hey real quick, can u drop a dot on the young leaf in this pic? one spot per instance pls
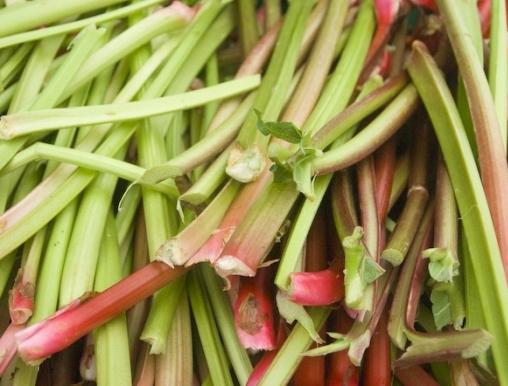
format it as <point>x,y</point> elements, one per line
<point>283,130</point>
<point>443,266</point>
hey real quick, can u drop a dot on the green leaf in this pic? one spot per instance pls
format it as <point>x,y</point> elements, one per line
<point>443,266</point>
<point>281,172</point>
<point>441,308</point>
<point>283,130</point>
<point>302,175</point>
<point>371,270</point>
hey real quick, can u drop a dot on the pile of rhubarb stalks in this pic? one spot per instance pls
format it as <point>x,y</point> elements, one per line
<point>304,192</point>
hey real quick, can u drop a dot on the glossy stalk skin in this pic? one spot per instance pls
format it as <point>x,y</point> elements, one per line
<point>8,346</point>
<point>254,311</point>
<point>64,328</point>
<point>319,288</point>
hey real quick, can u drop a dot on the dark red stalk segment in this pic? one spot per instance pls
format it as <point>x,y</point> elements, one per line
<point>253,311</point>
<point>414,376</point>
<point>428,4</point>
<point>267,358</point>
<point>341,372</point>
<point>316,255</point>
<point>8,346</point>
<point>68,325</point>
<point>377,368</point>
<point>310,371</point>
<point>484,8</point>
<point>21,300</point>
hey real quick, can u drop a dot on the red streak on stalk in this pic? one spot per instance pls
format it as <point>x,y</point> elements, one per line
<point>266,360</point>
<point>68,325</point>
<point>8,346</point>
<point>253,311</point>
<point>414,376</point>
<point>386,12</point>
<point>21,300</point>
<point>377,368</point>
<point>484,8</point>
<point>316,288</point>
<point>341,372</point>
<point>213,247</point>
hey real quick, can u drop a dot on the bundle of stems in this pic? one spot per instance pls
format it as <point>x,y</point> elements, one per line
<point>221,192</point>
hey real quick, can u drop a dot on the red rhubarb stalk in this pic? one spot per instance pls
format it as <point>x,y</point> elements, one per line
<point>253,311</point>
<point>320,285</point>
<point>267,358</point>
<point>8,346</point>
<point>341,372</point>
<point>377,368</point>
<point>310,371</point>
<point>414,376</point>
<point>68,325</point>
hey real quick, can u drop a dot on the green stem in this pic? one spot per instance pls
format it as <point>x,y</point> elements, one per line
<point>214,352</point>
<point>111,339</point>
<point>372,136</point>
<point>498,63</point>
<point>91,161</point>
<point>12,67</point>
<point>272,12</point>
<point>248,25</point>
<point>33,14</point>
<point>472,202</point>
<point>14,125</point>
<point>222,309</point>
<point>492,153</point>
<point>65,28</point>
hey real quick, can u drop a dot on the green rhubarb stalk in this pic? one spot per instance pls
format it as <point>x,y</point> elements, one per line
<point>65,28</point>
<point>249,33</point>
<point>272,12</point>
<point>492,154</point>
<point>175,366</point>
<point>498,63</point>
<point>111,340</point>
<point>162,21</point>
<point>160,318</point>
<point>14,125</point>
<point>207,329</point>
<point>14,65</point>
<point>221,306</point>
<point>6,97</point>
<point>29,15</point>
<point>81,47</point>
<point>472,202</point>
<point>44,151</point>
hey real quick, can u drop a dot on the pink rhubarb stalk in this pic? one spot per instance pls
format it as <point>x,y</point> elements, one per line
<point>253,311</point>
<point>78,319</point>
<point>266,360</point>
<point>21,299</point>
<point>386,13</point>
<point>8,346</point>
<point>316,288</point>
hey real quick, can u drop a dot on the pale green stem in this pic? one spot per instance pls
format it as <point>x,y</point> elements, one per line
<point>111,340</point>
<point>77,25</point>
<point>12,67</point>
<point>36,121</point>
<point>248,25</point>
<point>33,14</point>
<point>91,161</point>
